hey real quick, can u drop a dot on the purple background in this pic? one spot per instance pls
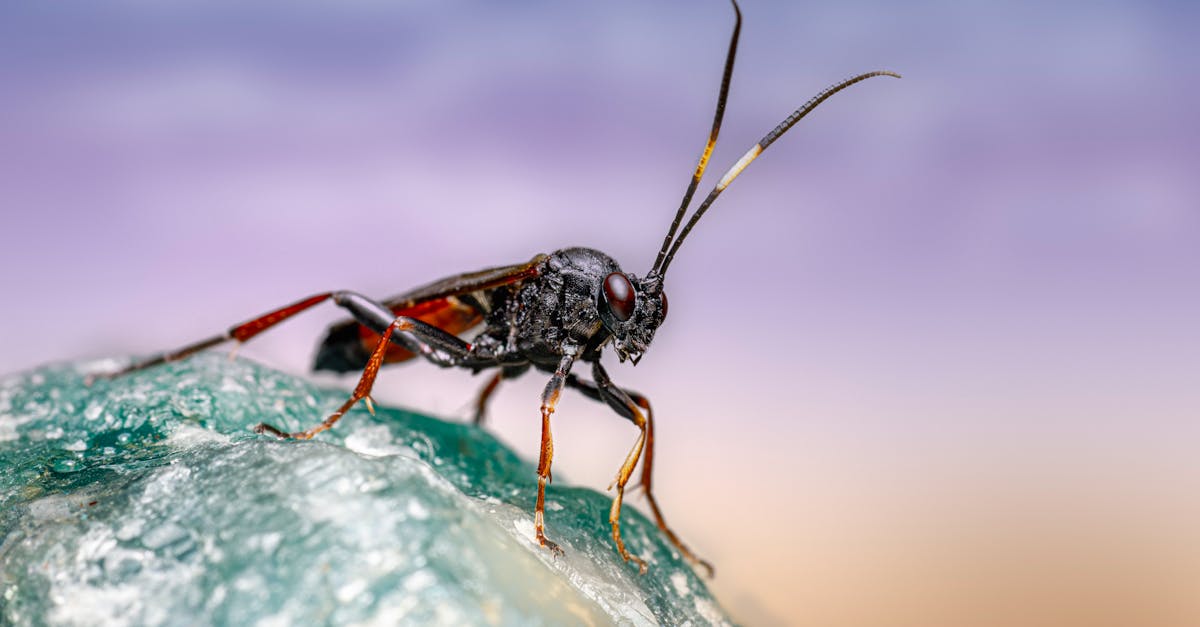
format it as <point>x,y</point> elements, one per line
<point>934,356</point>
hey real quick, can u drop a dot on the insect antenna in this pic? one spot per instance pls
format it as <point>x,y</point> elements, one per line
<point>712,137</point>
<point>753,154</point>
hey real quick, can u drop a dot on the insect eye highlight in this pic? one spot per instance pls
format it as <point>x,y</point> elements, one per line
<point>619,294</point>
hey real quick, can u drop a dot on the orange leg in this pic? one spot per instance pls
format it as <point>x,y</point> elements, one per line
<point>239,333</point>
<point>484,395</point>
<point>626,471</point>
<point>420,337</point>
<point>647,474</point>
<point>631,405</point>
<point>425,339</point>
<point>435,344</point>
<point>362,391</point>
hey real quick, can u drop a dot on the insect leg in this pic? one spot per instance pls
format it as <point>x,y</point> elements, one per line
<point>623,408</point>
<point>633,412</point>
<point>434,344</point>
<point>420,337</point>
<point>366,311</point>
<point>485,394</point>
<point>239,333</point>
<point>549,401</point>
<point>647,473</point>
<point>507,372</point>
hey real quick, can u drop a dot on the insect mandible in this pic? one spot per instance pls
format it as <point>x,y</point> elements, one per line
<point>547,313</point>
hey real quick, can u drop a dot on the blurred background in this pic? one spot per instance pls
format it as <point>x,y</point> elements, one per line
<point>932,360</point>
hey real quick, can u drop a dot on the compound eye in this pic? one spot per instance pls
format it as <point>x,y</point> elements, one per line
<point>663,315</point>
<point>619,294</point>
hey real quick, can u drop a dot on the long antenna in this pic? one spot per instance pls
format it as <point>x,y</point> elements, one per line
<point>757,150</point>
<point>712,136</point>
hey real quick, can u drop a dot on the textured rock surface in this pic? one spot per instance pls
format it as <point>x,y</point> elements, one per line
<point>148,500</point>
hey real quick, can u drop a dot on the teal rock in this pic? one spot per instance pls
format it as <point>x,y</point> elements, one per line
<point>148,500</point>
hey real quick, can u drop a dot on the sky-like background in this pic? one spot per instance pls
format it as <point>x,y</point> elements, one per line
<point>933,359</point>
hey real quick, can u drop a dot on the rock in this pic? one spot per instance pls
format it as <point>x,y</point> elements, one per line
<point>148,500</point>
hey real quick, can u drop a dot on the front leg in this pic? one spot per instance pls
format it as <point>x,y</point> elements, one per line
<point>626,405</point>
<point>631,459</point>
<point>549,401</point>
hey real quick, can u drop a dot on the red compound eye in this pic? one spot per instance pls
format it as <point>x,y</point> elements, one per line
<point>663,296</point>
<point>619,294</point>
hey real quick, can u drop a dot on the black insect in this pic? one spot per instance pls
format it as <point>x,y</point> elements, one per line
<point>548,313</point>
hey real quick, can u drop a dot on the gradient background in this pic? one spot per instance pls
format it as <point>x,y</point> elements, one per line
<point>933,360</point>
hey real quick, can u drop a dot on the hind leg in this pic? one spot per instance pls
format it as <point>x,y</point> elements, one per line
<point>366,311</point>
<point>419,337</point>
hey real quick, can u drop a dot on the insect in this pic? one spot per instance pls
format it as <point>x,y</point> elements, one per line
<point>548,314</point>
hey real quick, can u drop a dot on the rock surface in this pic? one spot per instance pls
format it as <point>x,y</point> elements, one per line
<point>148,500</point>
